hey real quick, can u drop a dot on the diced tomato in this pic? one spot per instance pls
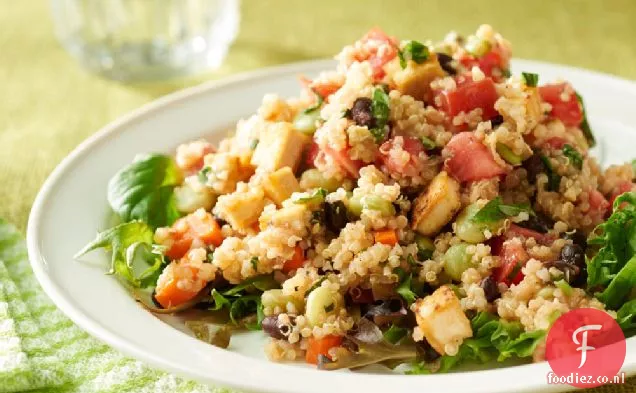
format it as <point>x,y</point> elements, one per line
<point>382,49</point>
<point>621,189</point>
<point>323,88</point>
<point>569,112</point>
<point>341,157</point>
<point>514,257</point>
<point>494,59</point>
<point>556,142</point>
<point>311,153</point>
<point>395,163</point>
<point>297,260</point>
<point>525,233</point>
<point>179,247</point>
<point>205,227</point>
<point>598,204</point>
<point>321,346</point>
<point>470,159</point>
<point>470,95</point>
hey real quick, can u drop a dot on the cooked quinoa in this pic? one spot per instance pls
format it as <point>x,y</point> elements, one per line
<point>414,187</point>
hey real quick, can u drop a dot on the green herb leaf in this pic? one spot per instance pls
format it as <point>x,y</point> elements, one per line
<point>144,190</point>
<point>242,307</point>
<point>133,257</point>
<point>413,50</point>
<point>531,79</point>
<point>253,144</point>
<point>496,210</point>
<point>404,289</point>
<point>554,180</point>
<point>317,105</point>
<point>254,262</point>
<point>395,334</point>
<point>585,125</point>
<point>257,283</point>
<point>380,109</point>
<point>219,301</point>
<point>574,156</point>
<point>203,174</point>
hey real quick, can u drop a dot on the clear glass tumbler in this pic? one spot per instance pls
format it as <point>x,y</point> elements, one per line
<point>137,40</point>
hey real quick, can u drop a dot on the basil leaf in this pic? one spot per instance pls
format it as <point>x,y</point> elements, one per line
<point>531,79</point>
<point>144,190</point>
<point>574,156</point>
<point>496,210</point>
<point>133,257</point>
<point>554,180</point>
<point>380,109</point>
<point>585,125</point>
<point>413,50</point>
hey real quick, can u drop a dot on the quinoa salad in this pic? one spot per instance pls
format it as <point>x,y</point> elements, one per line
<point>421,206</point>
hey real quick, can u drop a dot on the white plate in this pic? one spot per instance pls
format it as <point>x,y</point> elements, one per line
<point>72,205</point>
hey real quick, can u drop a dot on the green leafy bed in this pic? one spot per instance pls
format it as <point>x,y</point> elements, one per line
<point>142,197</point>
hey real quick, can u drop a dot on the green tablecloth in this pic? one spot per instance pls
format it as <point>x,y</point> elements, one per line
<point>48,104</point>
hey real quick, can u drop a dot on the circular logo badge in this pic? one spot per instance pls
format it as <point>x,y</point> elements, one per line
<point>585,348</point>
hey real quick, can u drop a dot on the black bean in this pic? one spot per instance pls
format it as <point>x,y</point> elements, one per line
<point>539,222</point>
<point>573,254</point>
<point>445,62</point>
<point>271,327</point>
<point>491,289</point>
<point>578,237</point>
<point>335,216</point>
<point>426,352</point>
<point>496,121</point>
<point>361,112</point>
<point>534,166</point>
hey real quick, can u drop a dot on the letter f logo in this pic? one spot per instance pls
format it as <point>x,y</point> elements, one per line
<point>584,347</point>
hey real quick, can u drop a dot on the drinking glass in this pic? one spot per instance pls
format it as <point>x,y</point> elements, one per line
<point>136,40</point>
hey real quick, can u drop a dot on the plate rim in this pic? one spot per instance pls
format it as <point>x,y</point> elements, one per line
<point>112,129</point>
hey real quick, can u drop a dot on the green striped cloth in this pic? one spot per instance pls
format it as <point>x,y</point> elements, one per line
<point>41,350</point>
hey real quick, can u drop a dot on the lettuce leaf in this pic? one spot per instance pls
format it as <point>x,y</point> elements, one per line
<point>612,271</point>
<point>133,256</point>
<point>626,318</point>
<point>144,190</point>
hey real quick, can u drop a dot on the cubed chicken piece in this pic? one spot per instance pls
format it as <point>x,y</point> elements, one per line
<point>241,208</point>
<point>280,146</point>
<point>523,111</point>
<point>436,206</point>
<point>280,185</point>
<point>415,80</point>
<point>441,320</point>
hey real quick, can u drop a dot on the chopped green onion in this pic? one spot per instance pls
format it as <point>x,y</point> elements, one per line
<point>317,197</point>
<point>531,79</point>
<point>428,143</point>
<point>317,105</point>
<point>415,51</point>
<point>564,287</point>
<point>574,156</point>
<point>508,155</point>
<point>254,262</point>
